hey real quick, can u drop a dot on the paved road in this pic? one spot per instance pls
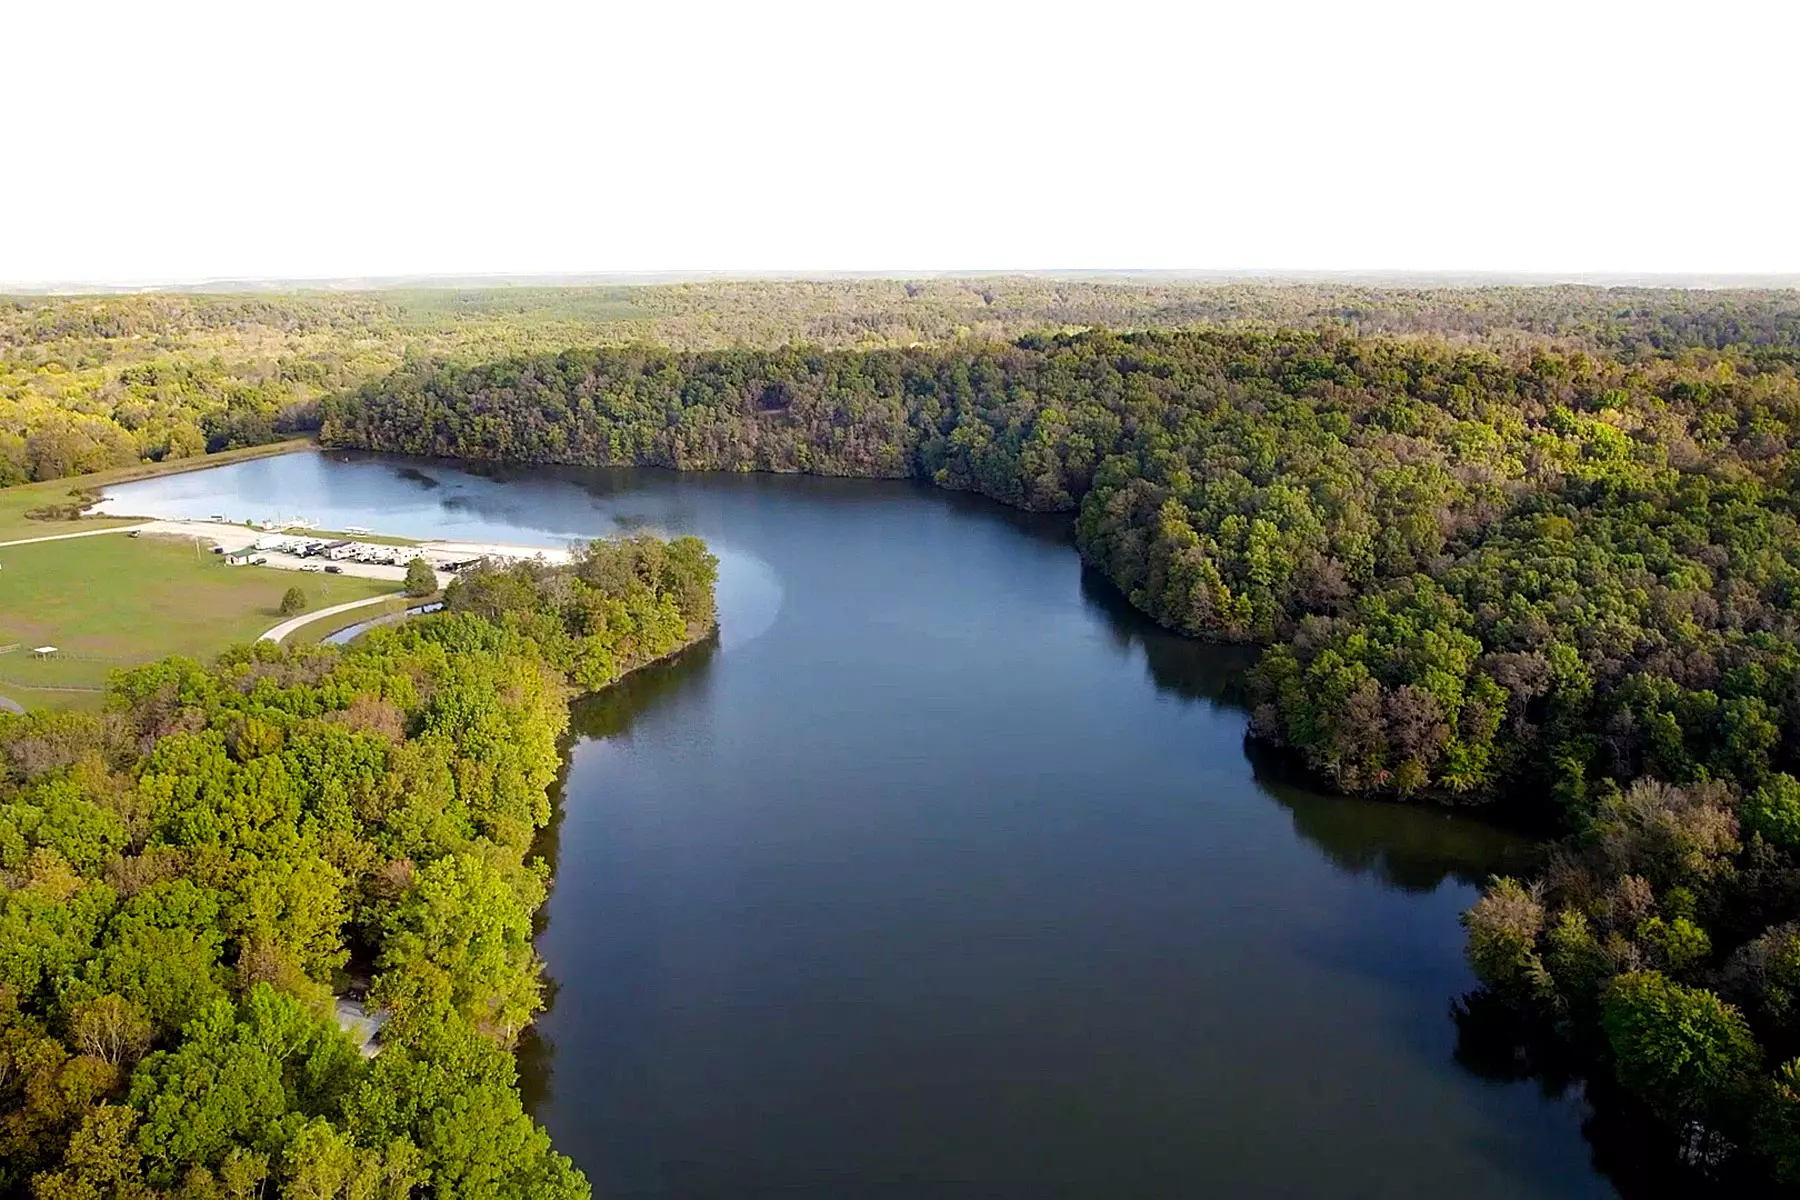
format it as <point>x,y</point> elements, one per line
<point>286,627</point>
<point>8,704</point>
<point>57,537</point>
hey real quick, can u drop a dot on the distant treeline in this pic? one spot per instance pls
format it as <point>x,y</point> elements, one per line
<point>88,383</point>
<point>1533,575</point>
<point>187,877</point>
<point>1476,569</point>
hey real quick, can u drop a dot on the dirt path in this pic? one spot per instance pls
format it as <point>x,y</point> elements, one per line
<point>57,537</point>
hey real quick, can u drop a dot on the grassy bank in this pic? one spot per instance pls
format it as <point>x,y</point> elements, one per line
<point>69,495</point>
<point>107,602</point>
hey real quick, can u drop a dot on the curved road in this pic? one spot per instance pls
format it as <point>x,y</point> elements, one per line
<point>286,627</point>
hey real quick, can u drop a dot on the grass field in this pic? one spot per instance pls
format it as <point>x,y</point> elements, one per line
<point>114,601</point>
<point>16,501</point>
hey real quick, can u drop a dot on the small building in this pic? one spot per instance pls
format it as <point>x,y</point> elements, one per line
<point>239,558</point>
<point>43,651</point>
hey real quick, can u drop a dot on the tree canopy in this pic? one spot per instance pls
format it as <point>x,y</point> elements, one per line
<point>1555,576</point>
<point>189,877</point>
<point>93,382</point>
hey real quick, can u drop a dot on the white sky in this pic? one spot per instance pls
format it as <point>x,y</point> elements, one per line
<point>167,140</point>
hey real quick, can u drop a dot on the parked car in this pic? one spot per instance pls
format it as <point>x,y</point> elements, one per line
<point>333,569</point>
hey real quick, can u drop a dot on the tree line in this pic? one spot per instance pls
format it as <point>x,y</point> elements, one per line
<point>1557,579</point>
<point>94,382</point>
<point>188,877</point>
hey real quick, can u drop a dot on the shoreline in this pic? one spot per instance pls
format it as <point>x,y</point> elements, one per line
<point>165,467</point>
<point>276,549</point>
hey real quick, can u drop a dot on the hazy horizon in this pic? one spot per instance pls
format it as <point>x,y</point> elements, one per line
<point>198,141</point>
<point>1683,280</point>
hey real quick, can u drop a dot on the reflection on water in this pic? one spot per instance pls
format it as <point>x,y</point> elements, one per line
<point>600,715</point>
<point>1413,847</point>
<point>942,872</point>
<point>1179,666</point>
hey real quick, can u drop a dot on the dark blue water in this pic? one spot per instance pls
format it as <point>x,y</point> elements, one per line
<point>941,873</point>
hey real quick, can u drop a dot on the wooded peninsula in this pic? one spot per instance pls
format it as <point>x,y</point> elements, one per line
<point>192,873</point>
<point>1533,549</point>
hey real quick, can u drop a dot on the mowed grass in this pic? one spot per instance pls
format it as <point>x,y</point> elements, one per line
<point>114,600</point>
<point>22,498</point>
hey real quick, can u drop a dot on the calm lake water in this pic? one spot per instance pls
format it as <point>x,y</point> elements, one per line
<point>942,873</point>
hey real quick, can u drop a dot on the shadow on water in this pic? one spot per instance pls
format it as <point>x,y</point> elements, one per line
<point>1639,1156</point>
<point>1412,847</point>
<point>1186,667</point>
<point>1416,848</point>
<point>599,715</point>
<point>1083,910</point>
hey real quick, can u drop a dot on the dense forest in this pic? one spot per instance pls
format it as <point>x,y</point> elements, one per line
<point>88,383</point>
<point>187,878</point>
<point>1530,548</point>
<point>1559,577</point>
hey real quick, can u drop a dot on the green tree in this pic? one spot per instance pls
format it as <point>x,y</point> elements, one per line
<point>102,1161</point>
<point>293,601</point>
<point>1503,931</point>
<point>1682,1050</point>
<point>238,1072</point>
<point>421,580</point>
<point>453,1092</point>
<point>461,935</point>
<point>1773,810</point>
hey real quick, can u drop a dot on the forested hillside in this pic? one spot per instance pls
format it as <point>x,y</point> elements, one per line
<point>1469,562</point>
<point>1545,576</point>
<point>1533,548</point>
<point>88,383</point>
<point>186,879</point>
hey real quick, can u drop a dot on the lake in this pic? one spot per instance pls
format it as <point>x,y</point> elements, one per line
<point>940,872</point>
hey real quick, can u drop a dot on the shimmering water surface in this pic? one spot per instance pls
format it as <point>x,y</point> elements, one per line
<point>942,873</point>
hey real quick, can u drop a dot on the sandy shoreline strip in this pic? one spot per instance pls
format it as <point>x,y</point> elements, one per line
<point>230,537</point>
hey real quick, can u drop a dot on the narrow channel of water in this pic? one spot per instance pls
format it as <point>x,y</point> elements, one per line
<point>348,634</point>
<point>941,872</point>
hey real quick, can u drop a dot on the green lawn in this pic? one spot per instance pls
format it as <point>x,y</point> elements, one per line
<point>16,501</point>
<point>115,600</point>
